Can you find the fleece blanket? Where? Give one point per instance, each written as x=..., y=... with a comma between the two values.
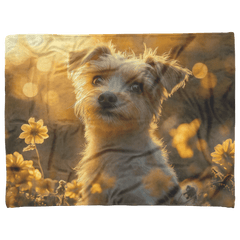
x=45, y=139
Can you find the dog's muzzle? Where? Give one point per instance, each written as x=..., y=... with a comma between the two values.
x=107, y=100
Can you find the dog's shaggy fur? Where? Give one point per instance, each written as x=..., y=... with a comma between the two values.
x=118, y=98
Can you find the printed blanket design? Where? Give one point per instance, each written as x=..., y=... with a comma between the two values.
x=144, y=119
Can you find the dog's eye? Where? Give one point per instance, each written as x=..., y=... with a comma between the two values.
x=136, y=88
x=97, y=80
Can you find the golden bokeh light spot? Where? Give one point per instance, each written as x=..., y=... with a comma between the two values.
x=16, y=86
x=7, y=135
x=199, y=70
x=30, y=89
x=224, y=130
x=34, y=40
x=184, y=150
x=210, y=81
x=10, y=42
x=201, y=145
x=181, y=136
x=96, y=188
x=51, y=98
x=44, y=64
x=17, y=56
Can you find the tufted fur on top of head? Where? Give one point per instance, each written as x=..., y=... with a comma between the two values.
x=167, y=72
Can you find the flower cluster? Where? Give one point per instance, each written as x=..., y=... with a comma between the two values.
x=26, y=185
x=216, y=184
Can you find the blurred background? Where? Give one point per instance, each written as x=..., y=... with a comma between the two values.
x=193, y=121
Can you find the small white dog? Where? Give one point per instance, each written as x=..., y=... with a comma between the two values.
x=118, y=98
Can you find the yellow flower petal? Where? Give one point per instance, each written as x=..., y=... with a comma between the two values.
x=31, y=120
x=217, y=156
x=26, y=128
x=43, y=135
x=37, y=174
x=17, y=154
x=232, y=152
x=33, y=125
x=9, y=160
x=29, y=139
x=28, y=163
x=214, y=154
x=23, y=135
x=19, y=157
x=43, y=130
x=40, y=122
x=226, y=145
x=219, y=149
x=38, y=139
x=218, y=161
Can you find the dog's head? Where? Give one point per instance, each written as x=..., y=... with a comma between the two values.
x=114, y=89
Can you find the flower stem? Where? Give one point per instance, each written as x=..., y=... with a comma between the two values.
x=39, y=161
x=62, y=203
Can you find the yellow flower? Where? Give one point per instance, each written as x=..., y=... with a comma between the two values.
x=25, y=185
x=11, y=194
x=35, y=132
x=73, y=189
x=19, y=171
x=224, y=154
x=45, y=186
x=37, y=175
x=96, y=188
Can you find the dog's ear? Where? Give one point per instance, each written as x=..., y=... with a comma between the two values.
x=97, y=53
x=76, y=59
x=168, y=73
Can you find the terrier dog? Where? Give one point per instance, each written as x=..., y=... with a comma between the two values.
x=118, y=98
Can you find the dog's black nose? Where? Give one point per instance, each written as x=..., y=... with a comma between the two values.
x=107, y=99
